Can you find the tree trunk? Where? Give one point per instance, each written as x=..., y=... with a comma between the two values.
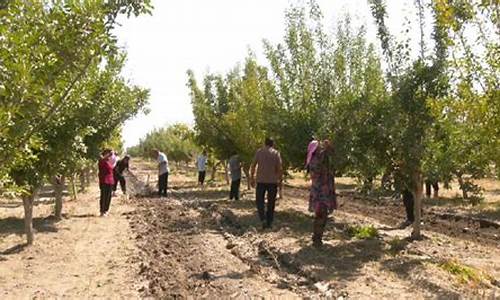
x=461, y=183
x=74, y=192
x=417, y=191
x=246, y=170
x=385, y=181
x=58, y=193
x=87, y=176
x=226, y=172
x=28, y=215
x=81, y=177
x=214, y=171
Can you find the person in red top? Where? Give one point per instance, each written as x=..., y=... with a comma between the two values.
x=106, y=181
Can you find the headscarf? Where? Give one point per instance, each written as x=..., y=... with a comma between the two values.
x=313, y=145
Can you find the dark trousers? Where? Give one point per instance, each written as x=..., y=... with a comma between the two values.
x=320, y=219
x=163, y=184
x=201, y=177
x=434, y=185
x=123, y=184
x=260, y=192
x=409, y=202
x=105, y=200
x=235, y=189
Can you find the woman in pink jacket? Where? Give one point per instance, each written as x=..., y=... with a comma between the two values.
x=106, y=181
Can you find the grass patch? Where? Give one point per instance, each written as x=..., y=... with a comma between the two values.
x=396, y=245
x=362, y=232
x=463, y=273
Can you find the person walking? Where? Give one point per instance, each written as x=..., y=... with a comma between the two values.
x=201, y=164
x=402, y=185
x=106, y=181
x=163, y=171
x=235, y=169
x=121, y=166
x=267, y=160
x=322, y=197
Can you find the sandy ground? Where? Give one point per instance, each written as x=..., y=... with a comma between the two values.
x=83, y=256
x=218, y=250
x=198, y=244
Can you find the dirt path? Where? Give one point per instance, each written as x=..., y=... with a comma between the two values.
x=83, y=256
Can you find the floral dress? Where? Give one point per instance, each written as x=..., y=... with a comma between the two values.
x=322, y=192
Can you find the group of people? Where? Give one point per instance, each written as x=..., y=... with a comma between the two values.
x=266, y=175
x=111, y=172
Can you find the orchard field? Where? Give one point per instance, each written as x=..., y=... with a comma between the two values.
x=217, y=249
x=402, y=110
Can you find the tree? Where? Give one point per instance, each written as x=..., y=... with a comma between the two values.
x=176, y=140
x=233, y=111
x=48, y=51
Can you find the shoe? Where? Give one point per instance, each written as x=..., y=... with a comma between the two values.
x=317, y=243
x=405, y=224
x=264, y=225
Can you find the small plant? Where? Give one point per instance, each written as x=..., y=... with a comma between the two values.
x=396, y=245
x=363, y=232
x=463, y=273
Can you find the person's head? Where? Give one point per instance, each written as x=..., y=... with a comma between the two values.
x=327, y=145
x=204, y=153
x=126, y=158
x=106, y=153
x=311, y=150
x=155, y=152
x=269, y=142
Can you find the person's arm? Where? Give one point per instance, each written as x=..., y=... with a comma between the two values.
x=128, y=169
x=279, y=169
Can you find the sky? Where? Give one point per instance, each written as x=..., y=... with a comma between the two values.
x=212, y=35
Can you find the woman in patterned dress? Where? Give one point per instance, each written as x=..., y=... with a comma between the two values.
x=322, y=198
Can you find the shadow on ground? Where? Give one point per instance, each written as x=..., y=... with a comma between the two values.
x=404, y=267
x=14, y=225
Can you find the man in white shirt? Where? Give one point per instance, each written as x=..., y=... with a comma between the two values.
x=201, y=164
x=162, y=173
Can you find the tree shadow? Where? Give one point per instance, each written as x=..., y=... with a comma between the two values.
x=80, y=216
x=230, y=275
x=493, y=214
x=341, y=261
x=203, y=195
x=442, y=201
x=12, y=225
x=13, y=250
x=19, y=203
x=404, y=267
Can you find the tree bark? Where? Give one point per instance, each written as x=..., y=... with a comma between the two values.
x=214, y=171
x=246, y=170
x=461, y=183
x=81, y=175
x=87, y=176
x=28, y=215
x=58, y=193
x=417, y=191
x=226, y=172
x=74, y=192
